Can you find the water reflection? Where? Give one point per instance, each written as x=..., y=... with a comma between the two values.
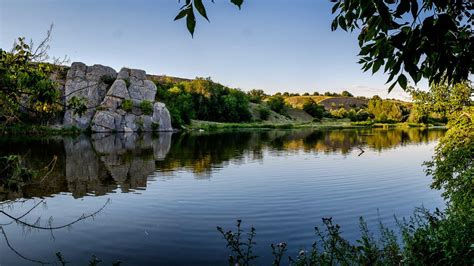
x=103, y=163
x=203, y=152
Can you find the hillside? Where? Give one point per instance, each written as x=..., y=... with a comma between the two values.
x=329, y=102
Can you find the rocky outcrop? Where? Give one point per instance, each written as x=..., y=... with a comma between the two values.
x=123, y=102
x=88, y=83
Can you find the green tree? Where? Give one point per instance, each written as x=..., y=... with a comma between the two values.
x=430, y=39
x=424, y=38
x=256, y=96
x=440, y=101
x=314, y=109
x=346, y=94
x=384, y=110
x=277, y=104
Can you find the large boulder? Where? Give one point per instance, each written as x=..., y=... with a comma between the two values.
x=89, y=83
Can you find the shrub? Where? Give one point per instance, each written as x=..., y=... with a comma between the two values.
x=277, y=104
x=127, y=105
x=263, y=113
x=313, y=109
x=256, y=96
x=107, y=79
x=347, y=94
x=146, y=107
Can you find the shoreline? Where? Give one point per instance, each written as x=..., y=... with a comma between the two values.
x=197, y=125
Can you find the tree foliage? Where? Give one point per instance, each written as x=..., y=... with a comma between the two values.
x=440, y=101
x=429, y=38
x=25, y=86
x=314, y=109
x=188, y=11
x=203, y=99
x=277, y=104
x=385, y=110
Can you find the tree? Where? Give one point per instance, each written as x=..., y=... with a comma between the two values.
x=429, y=38
x=276, y=103
x=256, y=96
x=312, y=108
x=346, y=94
x=384, y=110
x=441, y=100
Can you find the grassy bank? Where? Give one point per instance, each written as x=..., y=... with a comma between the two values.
x=37, y=130
x=324, y=124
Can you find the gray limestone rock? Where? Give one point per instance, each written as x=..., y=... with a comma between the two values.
x=161, y=116
x=119, y=89
x=104, y=91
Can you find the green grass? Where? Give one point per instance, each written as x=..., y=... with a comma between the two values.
x=324, y=124
x=37, y=130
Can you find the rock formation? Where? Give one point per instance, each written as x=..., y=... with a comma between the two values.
x=123, y=102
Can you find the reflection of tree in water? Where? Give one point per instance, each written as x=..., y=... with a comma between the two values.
x=101, y=164
x=203, y=152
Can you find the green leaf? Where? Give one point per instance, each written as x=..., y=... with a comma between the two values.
x=378, y=63
x=334, y=25
x=181, y=14
x=191, y=21
x=391, y=87
x=402, y=80
x=237, y=3
x=200, y=8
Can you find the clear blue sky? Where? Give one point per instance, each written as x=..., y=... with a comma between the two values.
x=274, y=45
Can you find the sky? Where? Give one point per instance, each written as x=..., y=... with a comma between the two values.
x=274, y=45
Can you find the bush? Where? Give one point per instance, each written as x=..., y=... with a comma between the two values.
x=313, y=109
x=146, y=107
x=127, y=105
x=256, y=96
x=277, y=104
x=108, y=80
x=263, y=113
x=346, y=94
x=339, y=113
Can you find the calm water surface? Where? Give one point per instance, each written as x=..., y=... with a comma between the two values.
x=165, y=195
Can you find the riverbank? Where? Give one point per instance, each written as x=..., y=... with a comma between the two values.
x=323, y=124
x=57, y=130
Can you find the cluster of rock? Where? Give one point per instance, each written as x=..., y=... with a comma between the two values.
x=115, y=102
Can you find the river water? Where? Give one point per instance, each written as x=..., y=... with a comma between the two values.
x=159, y=198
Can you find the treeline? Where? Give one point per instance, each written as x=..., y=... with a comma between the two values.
x=256, y=94
x=203, y=99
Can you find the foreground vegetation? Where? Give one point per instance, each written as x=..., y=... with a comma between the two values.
x=427, y=238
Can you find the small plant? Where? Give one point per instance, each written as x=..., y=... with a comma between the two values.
x=127, y=105
x=127, y=82
x=107, y=80
x=12, y=172
x=241, y=251
x=146, y=107
x=155, y=126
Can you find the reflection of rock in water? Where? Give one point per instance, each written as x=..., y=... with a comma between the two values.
x=129, y=158
x=162, y=146
x=83, y=172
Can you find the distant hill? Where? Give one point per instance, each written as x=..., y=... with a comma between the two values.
x=166, y=79
x=329, y=102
